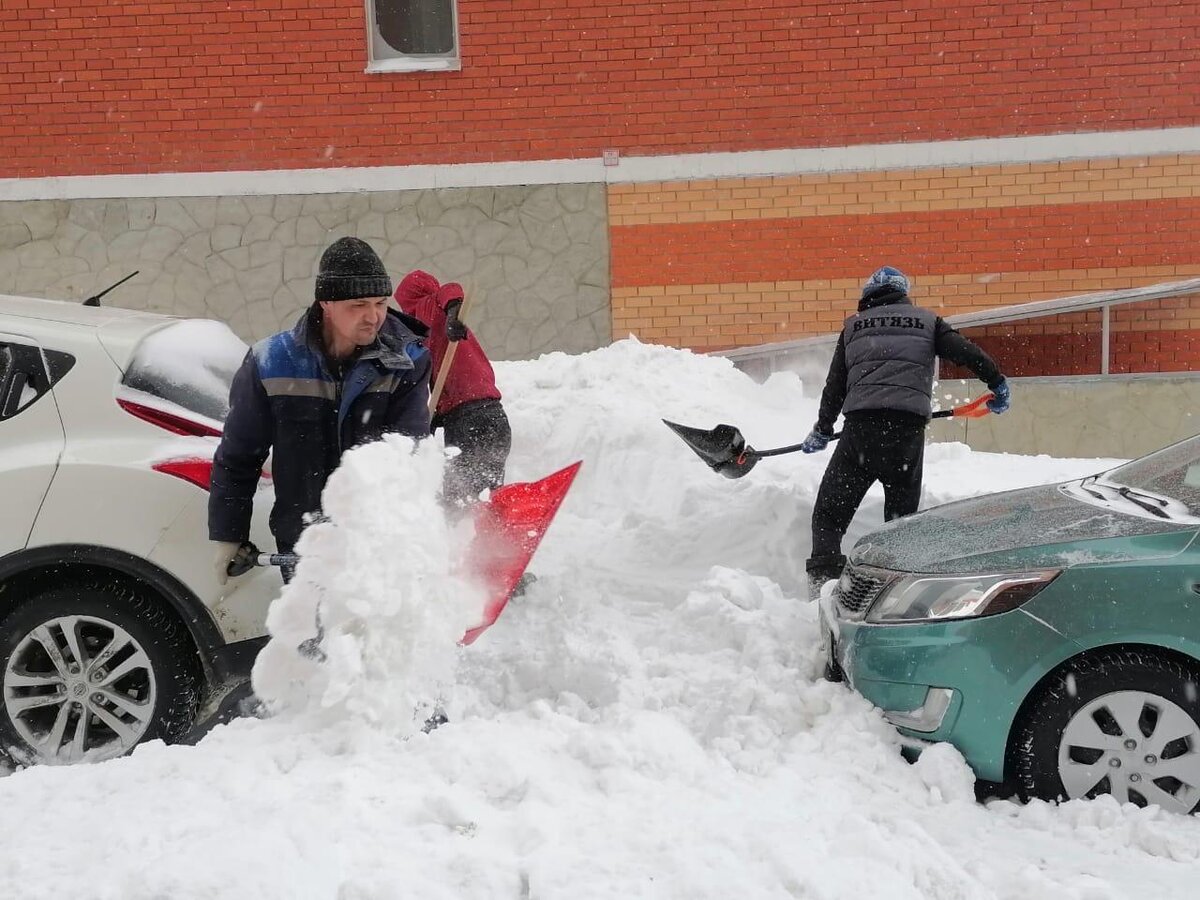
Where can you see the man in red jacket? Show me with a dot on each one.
(469, 410)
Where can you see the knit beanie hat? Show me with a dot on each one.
(417, 284)
(884, 280)
(350, 270)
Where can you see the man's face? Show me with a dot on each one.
(354, 322)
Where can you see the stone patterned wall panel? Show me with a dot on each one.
(534, 259)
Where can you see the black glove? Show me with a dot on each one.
(243, 560)
(455, 329)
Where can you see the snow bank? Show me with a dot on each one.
(378, 577)
(648, 721)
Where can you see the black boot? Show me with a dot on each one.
(827, 567)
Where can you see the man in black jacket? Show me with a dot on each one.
(881, 380)
(349, 371)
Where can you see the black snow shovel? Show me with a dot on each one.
(724, 450)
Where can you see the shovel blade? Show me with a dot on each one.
(508, 529)
(722, 448)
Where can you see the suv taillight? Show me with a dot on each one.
(169, 421)
(197, 471)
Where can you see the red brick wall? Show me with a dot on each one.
(1020, 239)
(97, 86)
(722, 263)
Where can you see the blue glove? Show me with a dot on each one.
(1000, 397)
(816, 441)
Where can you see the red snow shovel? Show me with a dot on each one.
(508, 529)
(724, 450)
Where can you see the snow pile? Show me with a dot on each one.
(647, 721)
(378, 577)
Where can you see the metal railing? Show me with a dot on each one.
(761, 360)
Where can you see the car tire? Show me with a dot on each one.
(119, 656)
(1121, 722)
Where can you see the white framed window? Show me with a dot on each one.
(412, 35)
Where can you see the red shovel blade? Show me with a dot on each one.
(508, 529)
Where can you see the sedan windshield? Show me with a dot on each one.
(1173, 473)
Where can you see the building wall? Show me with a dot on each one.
(1080, 418)
(94, 87)
(713, 264)
(535, 259)
(842, 128)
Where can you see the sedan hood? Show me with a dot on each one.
(1039, 527)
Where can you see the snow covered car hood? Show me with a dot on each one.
(1038, 527)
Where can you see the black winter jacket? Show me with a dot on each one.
(895, 338)
(285, 398)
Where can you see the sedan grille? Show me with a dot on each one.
(858, 589)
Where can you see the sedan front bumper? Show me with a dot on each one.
(955, 680)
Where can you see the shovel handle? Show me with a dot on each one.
(248, 556)
(976, 409)
(443, 372)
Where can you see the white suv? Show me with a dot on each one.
(113, 627)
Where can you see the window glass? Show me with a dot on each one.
(1172, 472)
(190, 363)
(27, 374)
(422, 33)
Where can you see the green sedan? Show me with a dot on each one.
(1051, 634)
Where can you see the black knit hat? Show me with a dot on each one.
(350, 269)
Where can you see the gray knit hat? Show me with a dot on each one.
(350, 269)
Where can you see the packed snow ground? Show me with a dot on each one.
(647, 722)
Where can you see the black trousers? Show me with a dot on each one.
(481, 431)
(876, 446)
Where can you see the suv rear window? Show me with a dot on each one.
(190, 363)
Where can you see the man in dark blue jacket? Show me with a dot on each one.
(349, 371)
(881, 380)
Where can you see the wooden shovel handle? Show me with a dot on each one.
(444, 369)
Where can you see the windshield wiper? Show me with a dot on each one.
(1138, 500)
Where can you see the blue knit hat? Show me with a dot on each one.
(885, 278)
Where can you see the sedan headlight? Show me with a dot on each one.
(920, 598)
